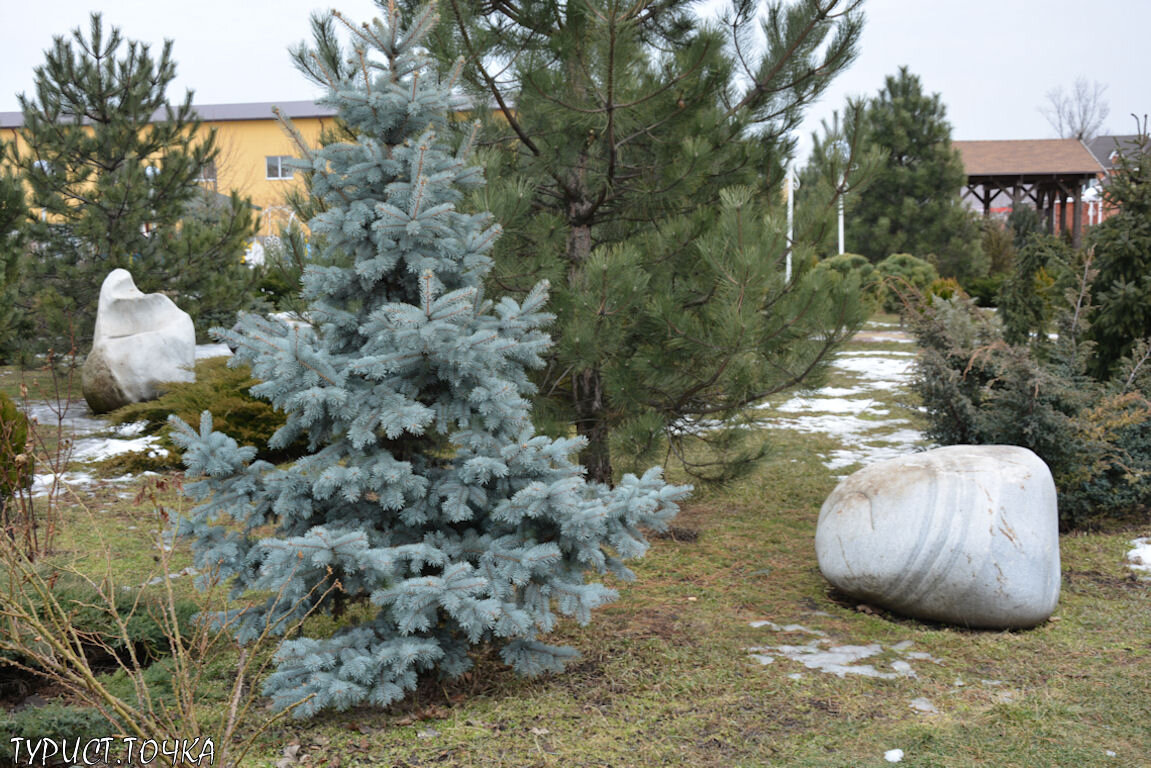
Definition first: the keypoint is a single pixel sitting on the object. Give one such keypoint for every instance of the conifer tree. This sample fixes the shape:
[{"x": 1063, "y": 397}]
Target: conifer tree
[
  {"x": 616, "y": 127},
  {"x": 426, "y": 493},
  {"x": 111, "y": 166},
  {"x": 1122, "y": 243},
  {"x": 13, "y": 240},
  {"x": 912, "y": 203}
]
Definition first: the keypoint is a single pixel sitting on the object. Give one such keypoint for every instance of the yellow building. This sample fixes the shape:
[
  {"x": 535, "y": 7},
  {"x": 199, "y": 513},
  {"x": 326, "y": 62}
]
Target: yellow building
[{"x": 253, "y": 146}]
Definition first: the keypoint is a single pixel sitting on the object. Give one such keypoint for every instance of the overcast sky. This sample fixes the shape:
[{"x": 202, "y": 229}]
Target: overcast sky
[{"x": 993, "y": 61}]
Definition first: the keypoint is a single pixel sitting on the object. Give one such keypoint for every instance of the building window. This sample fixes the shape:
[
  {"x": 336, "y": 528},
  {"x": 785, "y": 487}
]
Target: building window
[
  {"x": 207, "y": 173},
  {"x": 278, "y": 167}
]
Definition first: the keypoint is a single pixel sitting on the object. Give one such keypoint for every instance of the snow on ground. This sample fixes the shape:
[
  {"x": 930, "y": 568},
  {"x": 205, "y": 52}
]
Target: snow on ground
[
  {"x": 76, "y": 480},
  {"x": 822, "y": 655},
  {"x": 73, "y": 416},
  {"x": 43, "y": 485},
  {"x": 98, "y": 449},
  {"x": 1139, "y": 558},
  {"x": 212, "y": 350},
  {"x": 867, "y": 430},
  {"x": 883, "y": 370},
  {"x": 93, "y": 439}
]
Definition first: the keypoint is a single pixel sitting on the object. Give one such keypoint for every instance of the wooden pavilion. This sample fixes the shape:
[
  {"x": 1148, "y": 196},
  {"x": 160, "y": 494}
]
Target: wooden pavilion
[{"x": 1045, "y": 171}]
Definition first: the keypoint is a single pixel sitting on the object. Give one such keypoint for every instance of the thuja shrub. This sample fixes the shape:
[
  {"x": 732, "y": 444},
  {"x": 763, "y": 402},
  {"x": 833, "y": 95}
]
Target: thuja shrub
[{"x": 425, "y": 494}]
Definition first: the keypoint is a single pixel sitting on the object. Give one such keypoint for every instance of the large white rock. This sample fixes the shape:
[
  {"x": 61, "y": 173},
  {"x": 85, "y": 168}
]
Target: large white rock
[
  {"x": 140, "y": 341},
  {"x": 965, "y": 535}
]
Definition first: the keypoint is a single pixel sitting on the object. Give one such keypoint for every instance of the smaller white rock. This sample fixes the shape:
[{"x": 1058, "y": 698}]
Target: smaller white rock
[
  {"x": 893, "y": 755},
  {"x": 141, "y": 340}
]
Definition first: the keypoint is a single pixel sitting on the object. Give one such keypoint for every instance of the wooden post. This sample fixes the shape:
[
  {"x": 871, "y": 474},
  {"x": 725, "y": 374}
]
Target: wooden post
[{"x": 1062, "y": 193}]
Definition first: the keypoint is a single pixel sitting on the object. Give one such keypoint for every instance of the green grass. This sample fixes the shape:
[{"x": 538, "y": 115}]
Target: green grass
[{"x": 665, "y": 678}]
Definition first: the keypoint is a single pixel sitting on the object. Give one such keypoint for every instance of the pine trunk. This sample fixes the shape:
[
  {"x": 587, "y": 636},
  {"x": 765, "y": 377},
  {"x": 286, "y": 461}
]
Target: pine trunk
[{"x": 588, "y": 397}]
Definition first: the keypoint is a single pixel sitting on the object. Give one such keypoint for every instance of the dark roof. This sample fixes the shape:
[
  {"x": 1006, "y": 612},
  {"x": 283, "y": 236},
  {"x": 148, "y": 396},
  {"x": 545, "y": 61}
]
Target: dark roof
[
  {"x": 1103, "y": 147},
  {"x": 1027, "y": 157},
  {"x": 256, "y": 110},
  {"x": 262, "y": 110}
]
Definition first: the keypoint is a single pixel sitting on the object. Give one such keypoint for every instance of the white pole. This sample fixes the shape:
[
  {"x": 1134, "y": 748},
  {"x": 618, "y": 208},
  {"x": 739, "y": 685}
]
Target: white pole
[
  {"x": 790, "y": 218},
  {"x": 841, "y": 223}
]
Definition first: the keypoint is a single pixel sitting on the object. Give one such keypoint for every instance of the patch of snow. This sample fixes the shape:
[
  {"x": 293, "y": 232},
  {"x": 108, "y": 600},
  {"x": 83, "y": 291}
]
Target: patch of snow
[
  {"x": 883, "y": 371},
  {"x": 839, "y": 392},
  {"x": 839, "y": 660},
  {"x": 832, "y": 424},
  {"x": 878, "y": 353},
  {"x": 212, "y": 350},
  {"x": 1139, "y": 558},
  {"x": 830, "y": 405},
  {"x": 99, "y": 449},
  {"x": 923, "y": 705},
  {"x": 789, "y": 628},
  {"x": 130, "y": 430},
  {"x": 72, "y": 416},
  {"x": 893, "y": 755},
  {"x": 862, "y": 450},
  {"x": 42, "y": 484}
]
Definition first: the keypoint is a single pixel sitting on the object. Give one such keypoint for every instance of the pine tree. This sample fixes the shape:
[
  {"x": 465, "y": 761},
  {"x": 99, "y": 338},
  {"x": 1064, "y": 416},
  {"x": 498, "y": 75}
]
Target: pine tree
[
  {"x": 13, "y": 241},
  {"x": 111, "y": 166},
  {"x": 426, "y": 493},
  {"x": 839, "y": 168},
  {"x": 617, "y": 127},
  {"x": 912, "y": 204}
]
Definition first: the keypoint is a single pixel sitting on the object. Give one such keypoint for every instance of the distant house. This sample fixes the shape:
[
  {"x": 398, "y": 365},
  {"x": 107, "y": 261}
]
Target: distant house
[
  {"x": 1053, "y": 175},
  {"x": 254, "y": 148},
  {"x": 1106, "y": 149}
]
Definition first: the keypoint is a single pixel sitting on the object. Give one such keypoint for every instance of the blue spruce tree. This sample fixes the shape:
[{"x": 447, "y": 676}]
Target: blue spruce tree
[{"x": 425, "y": 492}]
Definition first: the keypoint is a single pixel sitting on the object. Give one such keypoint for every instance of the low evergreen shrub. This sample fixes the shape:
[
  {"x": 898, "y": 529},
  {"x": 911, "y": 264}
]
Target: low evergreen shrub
[
  {"x": 979, "y": 389},
  {"x": 902, "y": 274},
  {"x": 218, "y": 388},
  {"x": 60, "y": 722},
  {"x": 15, "y": 464}
]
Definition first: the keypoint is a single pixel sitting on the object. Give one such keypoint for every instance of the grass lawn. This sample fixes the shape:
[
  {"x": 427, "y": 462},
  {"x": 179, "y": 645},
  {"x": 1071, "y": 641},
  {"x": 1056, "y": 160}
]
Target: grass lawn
[{"x": 667, "y": 678}]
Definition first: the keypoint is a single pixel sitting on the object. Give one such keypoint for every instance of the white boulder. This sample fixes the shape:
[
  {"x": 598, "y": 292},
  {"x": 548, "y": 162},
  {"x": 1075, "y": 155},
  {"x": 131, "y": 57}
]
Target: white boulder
[
  {"x": 140, "y": 341},
  {"x": 965, "y": 535}
]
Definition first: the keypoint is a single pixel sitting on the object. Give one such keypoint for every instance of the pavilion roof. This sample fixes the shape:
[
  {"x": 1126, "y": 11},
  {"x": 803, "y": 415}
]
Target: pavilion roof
[{"x": 1027, "y": 157}]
